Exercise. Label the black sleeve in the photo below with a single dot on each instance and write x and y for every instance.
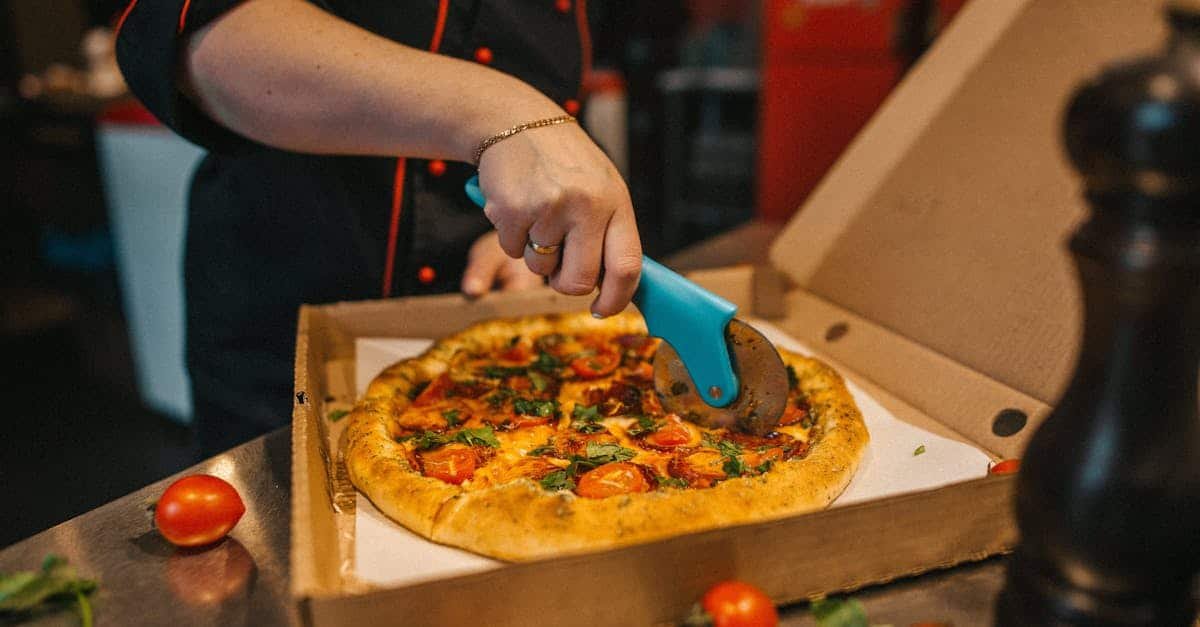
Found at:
(149, 44)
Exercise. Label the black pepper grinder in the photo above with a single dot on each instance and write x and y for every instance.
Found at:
(1108, 499)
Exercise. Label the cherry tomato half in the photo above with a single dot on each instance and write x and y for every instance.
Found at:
(612, 479)
(672, 434)
(739, 604)
(593, 366)
(792, 415)
(1005, 467)
(452, 464)
(198, 510)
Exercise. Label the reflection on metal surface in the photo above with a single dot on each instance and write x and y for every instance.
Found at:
(211, 575)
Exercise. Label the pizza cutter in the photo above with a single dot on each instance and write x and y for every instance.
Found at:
(711, 369)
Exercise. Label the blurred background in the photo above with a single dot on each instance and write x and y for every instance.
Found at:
(722, 115)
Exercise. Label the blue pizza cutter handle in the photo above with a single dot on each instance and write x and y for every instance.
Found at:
(692, 319)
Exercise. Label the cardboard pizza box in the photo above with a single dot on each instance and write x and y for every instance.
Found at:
(929, 266)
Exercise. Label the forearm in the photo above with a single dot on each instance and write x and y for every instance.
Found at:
(290, 75)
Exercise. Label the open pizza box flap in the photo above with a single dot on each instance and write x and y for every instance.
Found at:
(928, 266)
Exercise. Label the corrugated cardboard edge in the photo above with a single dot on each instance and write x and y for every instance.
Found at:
(564, 590)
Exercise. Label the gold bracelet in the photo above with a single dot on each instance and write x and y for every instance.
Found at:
(502, 135)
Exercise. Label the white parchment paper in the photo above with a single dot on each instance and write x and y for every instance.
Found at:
(388, 554)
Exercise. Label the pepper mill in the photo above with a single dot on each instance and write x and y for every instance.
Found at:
(1108, 499)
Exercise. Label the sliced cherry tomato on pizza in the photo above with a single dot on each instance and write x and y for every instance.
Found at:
(641, 345)
(672, 434)
(452, 464)
(1005, 467)
(792, 415)
(739, 604)
(434, 392)
(603, 363)
(518, 353)
(612, 479)
(198, 510)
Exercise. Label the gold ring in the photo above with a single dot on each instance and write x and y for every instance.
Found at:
(543, 250)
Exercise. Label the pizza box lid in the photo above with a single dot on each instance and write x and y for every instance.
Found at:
(945, 220)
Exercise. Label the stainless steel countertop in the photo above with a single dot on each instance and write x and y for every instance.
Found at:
(244, 580)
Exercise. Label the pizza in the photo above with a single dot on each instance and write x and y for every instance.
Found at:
(541, 436)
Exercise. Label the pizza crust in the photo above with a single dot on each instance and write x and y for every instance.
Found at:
(521, 521)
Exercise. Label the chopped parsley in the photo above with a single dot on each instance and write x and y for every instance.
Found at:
(558, 480)
(544, 449)
(482, 436)
(499, 397)
(599, 454)
(764, 467)
(729, 448)
(416, 390)
(540, 381)
(337, 415)
(671, 482)
(734, 467)
(586, 419)
(645, 424)
(546, 363)
(533, 407)
(920, 450)
(708, 440)
(451, 416)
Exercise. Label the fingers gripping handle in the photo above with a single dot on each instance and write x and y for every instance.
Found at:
(687, 316)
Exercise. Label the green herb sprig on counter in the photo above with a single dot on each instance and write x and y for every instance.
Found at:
(25, 593)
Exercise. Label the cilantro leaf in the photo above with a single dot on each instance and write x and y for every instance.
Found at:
(729, 448)
(546, 363)
(451, 416)
(23, 593)
(606, 453)
(499, 397)
(919, 451)
(539, 380)
(428, 440)
(764, 467)
(482, 436)
(337, 415)
(645, 424)
(671, 482)
(544, 449)
(586, 419)
(839, 613)
(533, 407)
(734, 467)
(558, 480)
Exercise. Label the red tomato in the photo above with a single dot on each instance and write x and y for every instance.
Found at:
(434, 392)
(452, 464)
(517, 352)
(792, 415)
(612, 479)
(673, 433)
(1005, 467)
(602, 363)
(738, 604)
(198, 510)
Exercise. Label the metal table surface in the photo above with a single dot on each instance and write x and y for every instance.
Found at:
(244, 580)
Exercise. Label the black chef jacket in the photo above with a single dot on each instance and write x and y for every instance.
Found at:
(270, 229)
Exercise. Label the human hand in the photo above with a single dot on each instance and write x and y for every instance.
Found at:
(488, 266)
(554, 186)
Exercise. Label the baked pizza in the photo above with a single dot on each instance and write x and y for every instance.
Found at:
(541, 436)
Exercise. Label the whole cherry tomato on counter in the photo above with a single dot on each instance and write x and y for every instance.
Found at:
(198, 510)
(739, 604)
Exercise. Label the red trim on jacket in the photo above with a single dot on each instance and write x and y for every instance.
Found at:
(124, 14)
(585, 42)
(187, 4)
(389, 264)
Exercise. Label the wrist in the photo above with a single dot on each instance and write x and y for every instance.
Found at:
(493, 116)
